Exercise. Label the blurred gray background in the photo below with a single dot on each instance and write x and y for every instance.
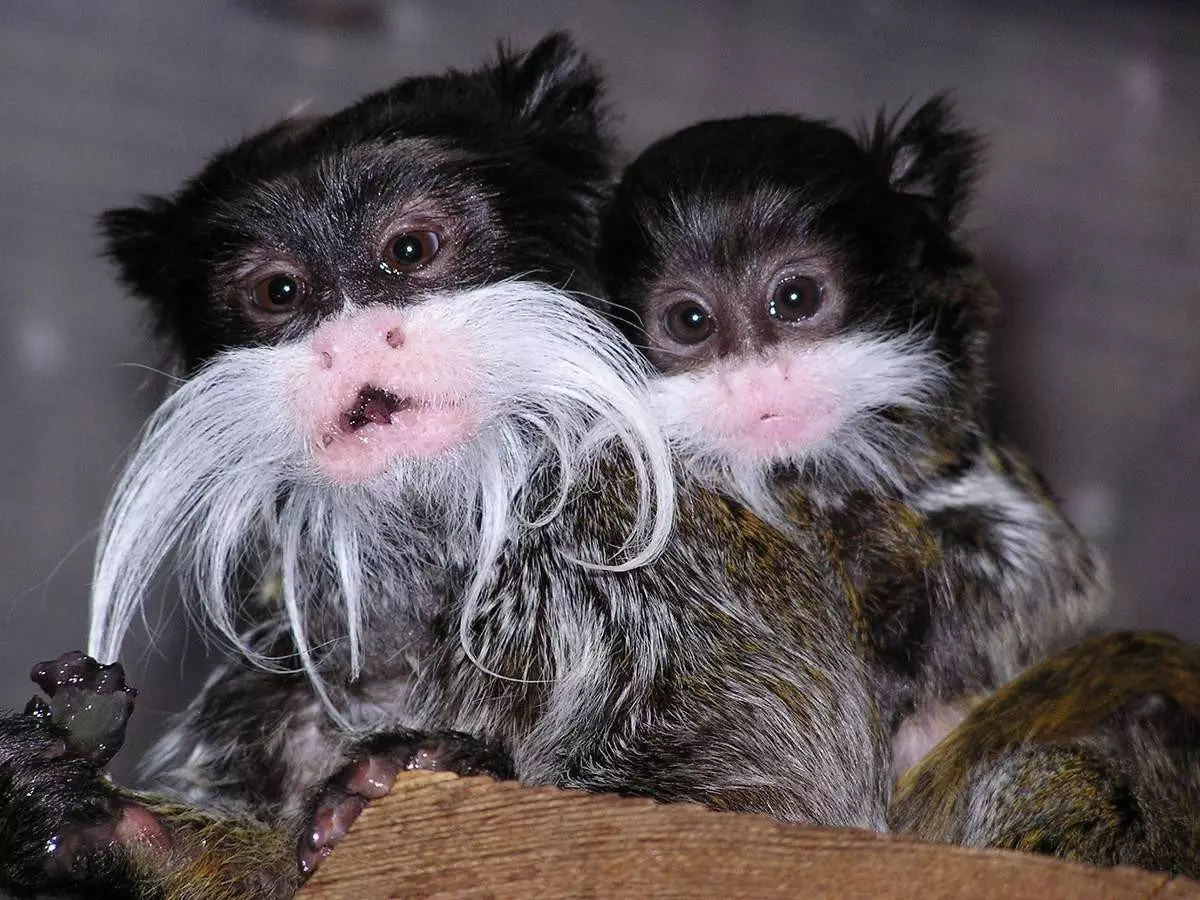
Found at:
(1088, 217)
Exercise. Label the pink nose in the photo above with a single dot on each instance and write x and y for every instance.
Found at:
(363, 336)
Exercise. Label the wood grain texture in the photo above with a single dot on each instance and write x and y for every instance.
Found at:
(439, 836)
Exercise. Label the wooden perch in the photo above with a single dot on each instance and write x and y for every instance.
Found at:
(439, 836)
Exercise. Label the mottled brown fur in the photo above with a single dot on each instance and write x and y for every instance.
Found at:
(1092, 755)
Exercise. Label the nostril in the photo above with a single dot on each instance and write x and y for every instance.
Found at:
(395, 337)
(326, 360)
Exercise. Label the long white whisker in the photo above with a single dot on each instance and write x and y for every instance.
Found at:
(223, 489)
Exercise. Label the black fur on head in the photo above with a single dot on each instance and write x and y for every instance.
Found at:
(505, 164)
(730, 202)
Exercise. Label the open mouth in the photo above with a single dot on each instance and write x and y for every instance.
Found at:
(377, 426)
(373, 406)
(381, 407)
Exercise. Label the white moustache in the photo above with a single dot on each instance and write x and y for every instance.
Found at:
(224, 479)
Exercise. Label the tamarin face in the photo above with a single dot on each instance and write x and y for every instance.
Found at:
(336, 229)
(796, 281)
(369, 307)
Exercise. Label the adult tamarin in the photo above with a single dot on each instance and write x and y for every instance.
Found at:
(821, 332)
(436, 470)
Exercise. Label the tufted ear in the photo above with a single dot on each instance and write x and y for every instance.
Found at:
(138, 239)
(145, 240)
(928, 156)
(553, 85)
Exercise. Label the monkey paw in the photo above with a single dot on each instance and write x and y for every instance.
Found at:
(376, 763)
(89, 702)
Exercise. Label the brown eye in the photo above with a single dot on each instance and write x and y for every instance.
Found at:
(412, 249)
(795, 299)
(688, 322)
(281, 292)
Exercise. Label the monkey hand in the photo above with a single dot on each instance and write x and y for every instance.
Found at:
(90, 702)
(60, 819)
(375, 764)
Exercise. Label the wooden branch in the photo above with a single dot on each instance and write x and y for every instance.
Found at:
(439, 836)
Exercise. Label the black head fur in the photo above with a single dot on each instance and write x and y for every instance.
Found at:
(511, 159)
(882, 210)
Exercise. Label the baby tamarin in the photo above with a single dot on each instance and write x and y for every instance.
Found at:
(437, 470)
(821, 330)
(1092, 755)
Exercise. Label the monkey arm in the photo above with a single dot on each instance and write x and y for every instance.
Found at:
(1014, 581)
(966, 581)
(252, 743)
(1092, 755)
(241, 770)
(65, 828)
(78, 835)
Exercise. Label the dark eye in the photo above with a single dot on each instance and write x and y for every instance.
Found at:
(280, 292)
(795, 299)
(412, 249)
(688, 322)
